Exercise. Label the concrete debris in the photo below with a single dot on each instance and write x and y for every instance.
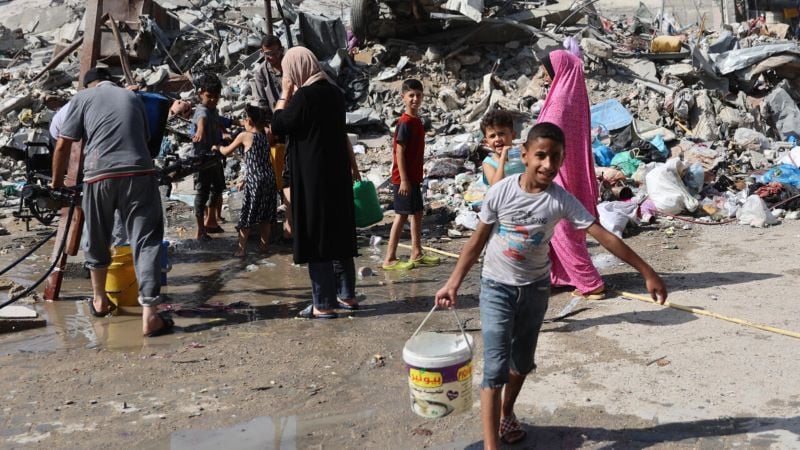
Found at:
(725, 101)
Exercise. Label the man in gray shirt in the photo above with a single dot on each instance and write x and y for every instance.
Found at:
(119, 175)
(269, 73)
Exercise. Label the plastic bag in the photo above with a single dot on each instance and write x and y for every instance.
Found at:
(467, 219)
(614, 216)
(602, 153)
(754, 212)
(475, 194)
(626, 163)
(784, 174)
(694, 178)
(666, 189)
(792, 157)
(747, 139)
(658, 142)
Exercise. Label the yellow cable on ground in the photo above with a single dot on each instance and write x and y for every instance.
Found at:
(431, 249)
(704, 312)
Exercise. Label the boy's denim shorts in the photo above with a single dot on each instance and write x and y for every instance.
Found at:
(511, 317)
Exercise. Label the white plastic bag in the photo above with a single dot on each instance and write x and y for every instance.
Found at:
(614, 216)
(667, 191)
(467, 219)
(754, 212)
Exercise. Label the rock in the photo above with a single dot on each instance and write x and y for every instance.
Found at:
(452, 65)
(644, 69)
(680, 70)
(468, 60)
(443, 167)
(433, 54)
(597, 48)
(365, 272)
(449, 99)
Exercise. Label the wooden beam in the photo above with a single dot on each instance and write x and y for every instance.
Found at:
(123, 54)
(60, 57)
(91, 37)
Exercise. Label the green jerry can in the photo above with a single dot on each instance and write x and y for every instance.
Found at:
(367, 207)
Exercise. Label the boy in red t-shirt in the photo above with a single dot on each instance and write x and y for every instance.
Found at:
(409, 148)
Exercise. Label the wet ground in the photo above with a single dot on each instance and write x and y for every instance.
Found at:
(242, 372)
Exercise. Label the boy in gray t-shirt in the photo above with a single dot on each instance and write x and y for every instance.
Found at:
(208, 183)
(517, 220)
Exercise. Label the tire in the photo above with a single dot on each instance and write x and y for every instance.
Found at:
(360, 15)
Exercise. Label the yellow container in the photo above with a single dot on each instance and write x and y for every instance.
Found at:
(121, 285)
(278, 154)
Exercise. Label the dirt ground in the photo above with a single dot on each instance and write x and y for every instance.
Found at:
(241, 372)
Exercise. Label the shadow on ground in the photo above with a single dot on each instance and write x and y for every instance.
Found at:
(550, 437)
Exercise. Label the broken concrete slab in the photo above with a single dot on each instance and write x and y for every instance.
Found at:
(643, 69)
(15, 104)
(18, 312)
(680, 70)
(784, 113)
(11, 325)
(597, 48)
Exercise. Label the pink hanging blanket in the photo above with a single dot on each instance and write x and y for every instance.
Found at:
(567, 105)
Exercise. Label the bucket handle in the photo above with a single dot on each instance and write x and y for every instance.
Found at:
(458, 321)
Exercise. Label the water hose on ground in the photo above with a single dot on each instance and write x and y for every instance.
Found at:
(28, 253)
(61, 247)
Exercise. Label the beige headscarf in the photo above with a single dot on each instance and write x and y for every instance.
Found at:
(302, 67)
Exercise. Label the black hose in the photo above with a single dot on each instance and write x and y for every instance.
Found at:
(29, 252)
(52, 266)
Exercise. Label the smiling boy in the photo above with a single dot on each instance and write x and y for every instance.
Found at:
(517, 220)
(498, 132)
(409, 149)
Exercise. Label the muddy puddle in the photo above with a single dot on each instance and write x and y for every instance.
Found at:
(285, 433)
(207, 289)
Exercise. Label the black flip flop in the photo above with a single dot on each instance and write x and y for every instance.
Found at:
(349, 307)
(216, 229)
(168, 328)
(111, 307)
(308, 313)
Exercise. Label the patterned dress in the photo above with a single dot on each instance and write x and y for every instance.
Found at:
(260, 194)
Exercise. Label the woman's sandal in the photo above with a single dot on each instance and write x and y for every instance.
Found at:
(600, 295)
(511, 432)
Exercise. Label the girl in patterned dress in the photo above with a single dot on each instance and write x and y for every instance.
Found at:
(260, 192)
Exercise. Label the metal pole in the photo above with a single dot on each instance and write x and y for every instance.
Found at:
(268, 10)
(285, 24)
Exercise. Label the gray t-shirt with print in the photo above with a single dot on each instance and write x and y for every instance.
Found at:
(113, 123)
(211, 130)
(517, 253)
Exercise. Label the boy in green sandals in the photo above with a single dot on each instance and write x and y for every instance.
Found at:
(409, 149)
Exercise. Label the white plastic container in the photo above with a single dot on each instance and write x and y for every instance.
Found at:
(439, 369)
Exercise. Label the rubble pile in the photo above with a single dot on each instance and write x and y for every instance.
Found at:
(685, 120)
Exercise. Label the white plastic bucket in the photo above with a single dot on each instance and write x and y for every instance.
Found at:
(439, 369)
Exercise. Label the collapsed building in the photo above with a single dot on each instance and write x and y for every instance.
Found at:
(687, 120)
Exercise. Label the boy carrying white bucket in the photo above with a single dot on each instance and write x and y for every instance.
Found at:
(517, 219)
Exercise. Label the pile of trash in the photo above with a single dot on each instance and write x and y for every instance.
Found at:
(703, 124)
(685, 120)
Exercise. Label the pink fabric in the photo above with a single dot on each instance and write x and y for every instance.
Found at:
(567, 105)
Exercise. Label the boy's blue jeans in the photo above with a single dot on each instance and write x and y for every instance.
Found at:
(511, 317)
(330, 279)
